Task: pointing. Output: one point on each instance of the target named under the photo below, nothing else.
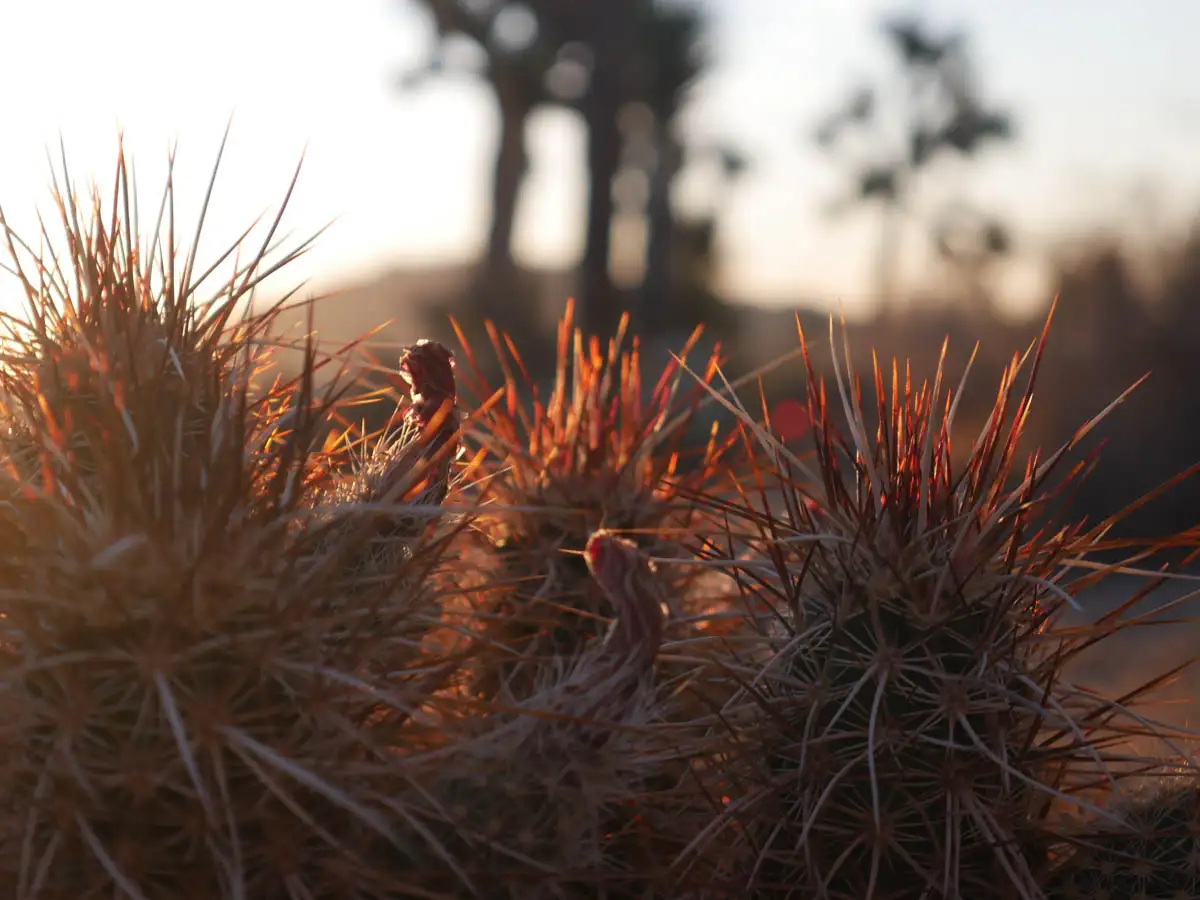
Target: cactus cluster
(1152, 849)
(525, 642)
(911, 730)
(599, 450)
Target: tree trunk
(508, 177)
(597, 298)
(509, 173)
(657, 294)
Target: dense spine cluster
(180, 720)
(907, 721)
(1151, 851)
(597, 452)
(552, 647)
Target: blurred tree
(1100, 299)
(937, 110)
(535, 52)
(672, 37)
(598, 58)
(519, 54)
(677, 256)
(971, 242)
(1181, 287)
(618, 74)
(694, 251)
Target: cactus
(234, 663)
(1151, 853)
(387, 471)
(179, 719)
(593, 454)
(373, 522)
(525, 795)
(911, 727)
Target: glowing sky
(1107, 92)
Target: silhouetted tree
(938, 111)
(522, 63)
(597, 57)
(971, 242)
(672, 37)
(609, 31)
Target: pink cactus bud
(632, 589)
(428, 367)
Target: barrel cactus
(186, 709)
(906, 729)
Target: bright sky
(1107, 93)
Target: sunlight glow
(405, 175)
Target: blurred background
(938, 167)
